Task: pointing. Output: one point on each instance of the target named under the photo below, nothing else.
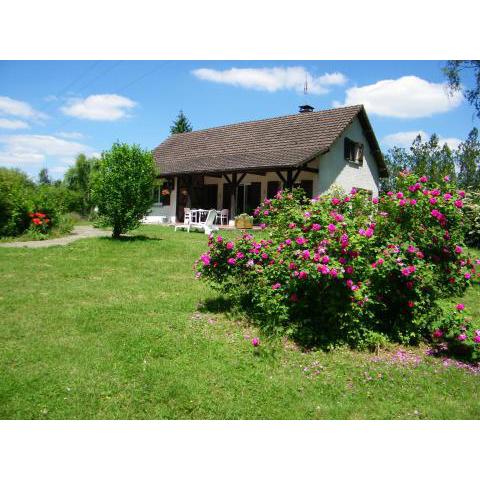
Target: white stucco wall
(333, 169)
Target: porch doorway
(248, 197)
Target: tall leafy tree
(181, 124)
(429, 157)
(468, 161)
(43, 177)
(122, 187)
(455, 69)
(79, 177)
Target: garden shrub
(15, 201)
(347, 268)
(122, 187)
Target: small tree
(43, 177)
(122, 187)
(181, 124)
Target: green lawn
(111, 329)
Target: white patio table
(197, 214)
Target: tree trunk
(116, 231)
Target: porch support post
(281, 177)
(233, 198)
(289, 182)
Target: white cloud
(272, 79)
(13, 124)
(108, 107)
(16, 108)
(21, 150)
(73, 135)
(405, 97)
(405, 139)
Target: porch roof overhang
(254, 169)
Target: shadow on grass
(131, 238)
(216, 305)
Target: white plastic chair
(208, 226)
(186, 215)
(224, 216)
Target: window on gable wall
(353, 151)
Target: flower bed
(352, 269)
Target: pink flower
(229, 245)
(437, 333)
(335, 201)
(288, 241)
(400, 195)
(458, 203)
(380, 261)
(292, 225)
(205, 259)
(219, 239)
(325, 259)
(468, 276)
(458, 249)
(375, 200)
(411, 303)
(231, 261)
(476, 339)
(255, 341)
(301, 240)
(294, 297)
(433, 200)
(276, 286)
(302, 275)
(316, 227)
(349, 269)
(461, 193)
(447, 196)
(331, 228)
(446, 178)
(240, 255)
(462, 337)
(307, 214)
(460, 307)
(389, 194)
(402, 202)
(423, 179)
(413, 201)
(411, 249)
(306, 254)
(263, 226)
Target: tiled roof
(273, 143)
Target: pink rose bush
(351, 269)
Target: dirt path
(83, 231)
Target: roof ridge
(304, 114)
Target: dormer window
(353, 151)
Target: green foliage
(43, 177)
(453, 71)
(20, 198)
(78, 179)
(468, 161)
(471, 219)
(122, 187)
(181, 124)
(16, 192)
(429, 157)
(346, 269)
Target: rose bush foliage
(349, 268)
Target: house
(237, 166)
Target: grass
(120, 329)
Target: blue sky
(52, 110)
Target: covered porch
(237, 191)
